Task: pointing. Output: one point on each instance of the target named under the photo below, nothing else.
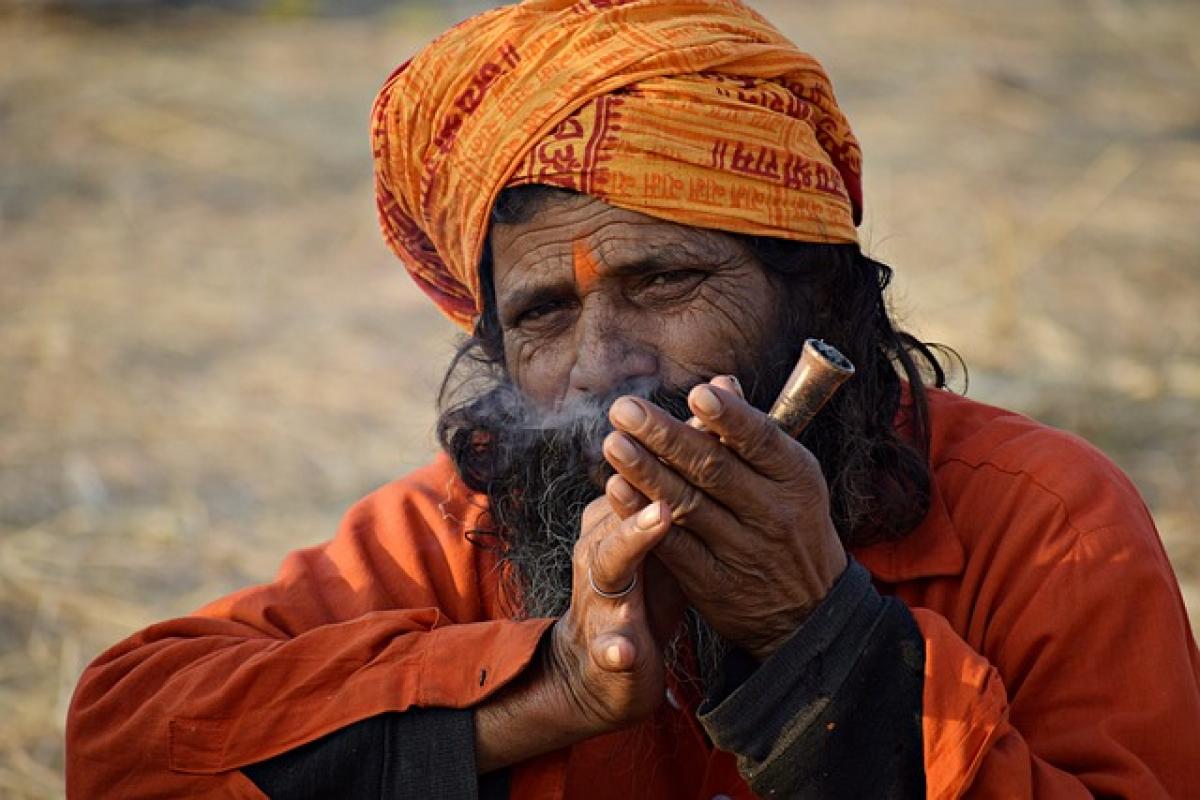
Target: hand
(607, 653)
(753, 545)
(601, 667)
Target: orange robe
(1059, 660)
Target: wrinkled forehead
(584, 238)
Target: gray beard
(534, 573)
(539, 471)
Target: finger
(616, 555)
(689, 560)
(701, 459)
(625, 499)
(729, 383)
(750, 433)
(689, 505)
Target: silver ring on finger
(611, 595)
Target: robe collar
(933, 549)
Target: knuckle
(591, 537)
(676, 449)
(601, 559)
(760, 440)
(593, 513)
(687, 501)
(725, 576)
(668, 438)
(809, 481)
(580, 553)
(711, 470)
(808, 468)
(656, 436)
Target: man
(622, 579)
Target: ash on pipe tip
(817, 376)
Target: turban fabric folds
(696, 112)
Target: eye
(669, 285)
(540, 313)
(667, 278)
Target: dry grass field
(206, 352)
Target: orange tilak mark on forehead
(587, 270)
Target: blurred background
(207, 353)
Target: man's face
(592, 298)
(593, 302)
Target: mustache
(539, 468)
(500, 428)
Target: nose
(607, 355)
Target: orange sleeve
(386, 616)
(1067, 667)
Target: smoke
(507, 429)
(539, 469)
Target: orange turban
(696, 112)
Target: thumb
(614, 652)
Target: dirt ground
(206, 352)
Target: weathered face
(591, 297)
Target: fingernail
(649, 516)
(613, 655)
(621, 448)
(737, 385)
(621, 490)
(627, 413)
(706, 400)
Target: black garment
(420, 753)
(835, 713)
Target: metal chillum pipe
(816, 377)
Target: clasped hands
(730, 515)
